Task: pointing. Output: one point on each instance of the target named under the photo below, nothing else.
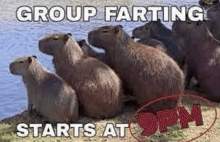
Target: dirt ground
(8, 126)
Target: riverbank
(8, 128)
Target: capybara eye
(104, 31)
(141, 29)
(21, 61)
(55, 38)
(69, 34)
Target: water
(21, 38)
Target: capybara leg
(30, 108)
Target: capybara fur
(98, 87)
(100, 56)
(87, 49)
(48, 93)
(157, 30)
(213, 15)
(203, 56)
(148, 73)
(153, 43)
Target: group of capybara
(94, 84)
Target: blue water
(21, 38)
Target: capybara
(213, 15)
(153, 43)
(148, 73)
(203, 56)
(98, 87)
(180, 41)
(157, 30)
(87, 49)
(48, 93)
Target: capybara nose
(89, 37)
(11, 68)
(132, 37)
(40, 45)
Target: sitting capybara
(153, 43)
(98, 88)
(147, 72)
(156, 30)
(203, 56)
(89, 51)
(48, 93)
(213, 15)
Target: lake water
(21, 38)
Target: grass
(8, 129)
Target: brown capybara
(157, 30)
(153, 43)
(98, 87)
(203, 56)
(213, 15)
(87, 49)
(48, 93)
(147, 72)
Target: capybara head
(214, 12)
(146, 30)
(185, 28)
(111, 34)
(53, 43)
(141, 32)
(21, 65)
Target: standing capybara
(90, 52)
(98, 88)
(156, 30)
(48, 93)
(213, 15)
(153, 43)
(147, 72)
(203, 56)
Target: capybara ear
(34, 56)
(120, 26)
(69, 34)
(116, 29)
(29, 59)
(81, 42)
(66, 37)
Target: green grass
(8, 129)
